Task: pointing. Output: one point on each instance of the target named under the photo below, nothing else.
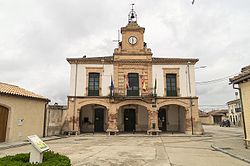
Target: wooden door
(162, 119)
(129, 120)
(3, 123)
(99, 120)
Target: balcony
(132, 93)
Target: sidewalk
(6, 145)
(229, 141)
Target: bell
(132, 15)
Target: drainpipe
(45, 119)
(243, 118)
(74, 112)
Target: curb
(14, 146)
(27, 143)
(175, 136)
(230, 154)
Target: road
(229, 139)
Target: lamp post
(190, 95)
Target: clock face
(132, 40)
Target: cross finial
(132, 16)
(132, 6)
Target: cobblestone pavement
(229, 139)
(140, 150)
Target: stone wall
(55, 119)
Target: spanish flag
(144, 85)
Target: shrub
(49, 159)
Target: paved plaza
(139, 149)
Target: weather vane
(132, 6)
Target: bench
(112, 132)
(71, 132)
(153, 132)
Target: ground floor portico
(133, 115)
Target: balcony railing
(132, 93)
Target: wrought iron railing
(132, 92)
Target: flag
(143, 84)
(155, 86)
(111, 87)
(112, 84)
(126, 81)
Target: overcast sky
(36, 37)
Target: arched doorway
(171, 118)
(132, 118)
(93, 118)
(3, 122)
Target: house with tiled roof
(214, 117)
(22, 113)
(132, 91)
(241, 82)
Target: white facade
(158, 74)
(81, 76)
(78, 71)
(234, 112)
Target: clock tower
(132, 57)
(132, 45)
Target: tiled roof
(233, 101)
(244, 75)
(203, 114)
(109, 59)
(175, 59)
(17, 91)
(218, 112)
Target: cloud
(38, 36)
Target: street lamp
(200, 67)
(190, 95)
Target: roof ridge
(9, 84)
(6, 88)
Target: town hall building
(132, 91)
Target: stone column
(77, 120)
(68, 124)
(112, 119)
(153, 119)
(197, 127)
(188, 125)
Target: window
(93, 87)
(133, 84)
(171, 85)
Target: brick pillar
(197, 127)
(112, 119)
(77, 120)
(188, 125)
(153, 119)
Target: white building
(146, 94)
(234, 112)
